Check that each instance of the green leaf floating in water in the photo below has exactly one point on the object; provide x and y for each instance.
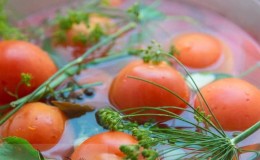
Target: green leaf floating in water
(14, 148)
(203, 78)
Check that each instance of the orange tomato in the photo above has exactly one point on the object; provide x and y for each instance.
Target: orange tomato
(80, 37)
(197, 50)
(104, 146)
(19, 57)
(234, 102)
(81, 29)
(115, 3)
(126, 92)
(42, 125)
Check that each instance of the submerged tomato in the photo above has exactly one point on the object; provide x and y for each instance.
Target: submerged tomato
(127, 92)
(104, 146)
(81, 36)
(197, 50)
(234, 102)
(115, 3)
(42, 125)
(82, 29)
(19, 57)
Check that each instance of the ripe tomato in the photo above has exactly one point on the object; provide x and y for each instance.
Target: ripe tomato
(197, 50)
(82, 29)
(42, 125)
(115, 3)
(79, 37)
(234, 102)
(19, 57)
(126, 92)
(103, 146)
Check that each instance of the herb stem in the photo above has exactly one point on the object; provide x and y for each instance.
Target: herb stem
(72, 67)
(250, 70)
(246, 133)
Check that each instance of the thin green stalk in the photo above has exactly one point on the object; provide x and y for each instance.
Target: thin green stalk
(40, 90)
(220, 130)
(183, 100)
(3, 107)
(167, 115)
(106, 59)
(245, 133)
(81, 87)
(250, 70)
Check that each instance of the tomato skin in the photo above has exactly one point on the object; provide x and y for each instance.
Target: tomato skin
(73, 46)
(115, 3)
(103, 146)
(42, 125)
(197, 50)
(126, 92)
(22, 57)
(82, 29)
(234, 102)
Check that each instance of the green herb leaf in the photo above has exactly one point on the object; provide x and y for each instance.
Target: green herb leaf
(15, 148)
(144, 14)
(26, 79)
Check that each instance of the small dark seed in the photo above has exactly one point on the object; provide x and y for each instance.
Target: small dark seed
(89, 92)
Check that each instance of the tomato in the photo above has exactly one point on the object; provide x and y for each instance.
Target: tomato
(42, 125)
(115, 3)
(234, 102)
(19, 57)
(126, 92)
(103, 146)
(82, 29)
(197, 50)
(79, 37)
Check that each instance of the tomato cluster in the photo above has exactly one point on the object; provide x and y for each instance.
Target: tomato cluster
(139, 90)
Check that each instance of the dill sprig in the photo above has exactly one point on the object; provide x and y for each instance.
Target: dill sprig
(203, 140)
(66, 23)
(198, 145)
(63, 73)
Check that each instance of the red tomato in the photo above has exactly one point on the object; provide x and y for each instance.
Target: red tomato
(103, 146)
(81, 29)
(197, 50)
(22, 57)
(115, 3)
(74, 47)
(126, 92)
(234, 102)
(42, 125)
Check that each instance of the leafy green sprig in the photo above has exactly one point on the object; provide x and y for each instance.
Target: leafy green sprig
(66, 71)
(25, 80)
(199, 145)
(209, 142)
(65, 23)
